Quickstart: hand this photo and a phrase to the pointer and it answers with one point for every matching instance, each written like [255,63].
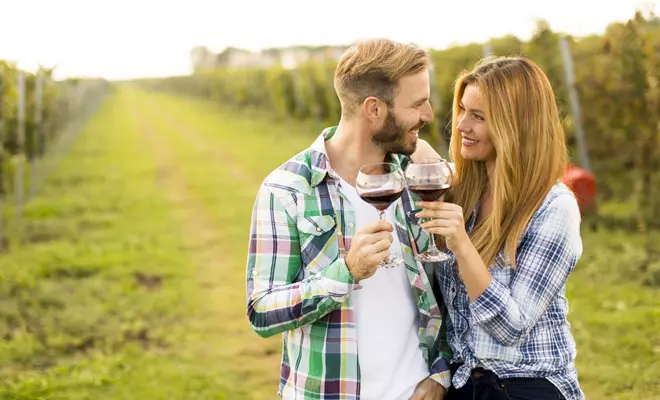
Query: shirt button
[351,225]
[318,229]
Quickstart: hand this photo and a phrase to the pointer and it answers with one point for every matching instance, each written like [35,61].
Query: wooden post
[38,131]
[2,154]
[575,103]
[487,49]
[298,90]
[438,124]
[20,140]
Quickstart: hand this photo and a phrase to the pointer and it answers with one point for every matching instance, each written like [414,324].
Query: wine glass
[381,184]
[429,179]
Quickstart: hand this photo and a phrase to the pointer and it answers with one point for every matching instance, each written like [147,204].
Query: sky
[122,39]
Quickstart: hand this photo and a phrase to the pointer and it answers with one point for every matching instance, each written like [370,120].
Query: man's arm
[274,302]
[425,150]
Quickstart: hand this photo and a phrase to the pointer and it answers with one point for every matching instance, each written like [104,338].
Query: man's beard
[392,136]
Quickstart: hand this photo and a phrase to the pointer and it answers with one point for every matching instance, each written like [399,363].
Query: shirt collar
[320,163]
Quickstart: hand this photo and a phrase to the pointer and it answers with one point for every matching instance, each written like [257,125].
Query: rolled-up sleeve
[547,254]
[275,301]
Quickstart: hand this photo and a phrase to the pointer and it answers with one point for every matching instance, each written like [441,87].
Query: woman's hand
[446,219]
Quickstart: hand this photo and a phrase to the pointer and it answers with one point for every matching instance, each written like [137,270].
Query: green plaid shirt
[298,283]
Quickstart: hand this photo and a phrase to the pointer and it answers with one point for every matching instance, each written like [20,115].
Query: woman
[513,231]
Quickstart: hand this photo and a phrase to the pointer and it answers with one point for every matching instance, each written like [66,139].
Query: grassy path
[132,283]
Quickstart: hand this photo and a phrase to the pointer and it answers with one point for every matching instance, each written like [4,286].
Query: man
[314,243]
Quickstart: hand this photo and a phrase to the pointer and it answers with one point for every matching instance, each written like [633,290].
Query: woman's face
[473,127]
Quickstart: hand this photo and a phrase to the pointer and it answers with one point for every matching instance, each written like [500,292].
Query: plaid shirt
[298,283]
[518,326]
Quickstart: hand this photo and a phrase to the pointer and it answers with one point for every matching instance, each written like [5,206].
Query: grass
[107,307]
[131,282]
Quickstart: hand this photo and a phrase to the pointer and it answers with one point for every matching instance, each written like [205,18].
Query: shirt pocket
[318,242]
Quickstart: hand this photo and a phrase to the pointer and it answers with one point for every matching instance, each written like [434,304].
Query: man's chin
[403,151]
[408,150]
[411,149]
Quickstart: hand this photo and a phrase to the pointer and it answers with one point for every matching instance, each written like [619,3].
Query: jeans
[485,385]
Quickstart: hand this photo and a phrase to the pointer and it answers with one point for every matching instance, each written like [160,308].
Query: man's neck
[350,148]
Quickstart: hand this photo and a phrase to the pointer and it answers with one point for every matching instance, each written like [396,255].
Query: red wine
[429,192]
[382,199]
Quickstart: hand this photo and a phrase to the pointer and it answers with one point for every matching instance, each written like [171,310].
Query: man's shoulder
[292,176]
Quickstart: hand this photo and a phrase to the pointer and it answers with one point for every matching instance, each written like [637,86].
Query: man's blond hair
[373,68]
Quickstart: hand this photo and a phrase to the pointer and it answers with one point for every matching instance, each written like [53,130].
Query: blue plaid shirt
[518,326]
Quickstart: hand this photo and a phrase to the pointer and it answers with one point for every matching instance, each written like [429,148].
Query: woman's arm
[546,255]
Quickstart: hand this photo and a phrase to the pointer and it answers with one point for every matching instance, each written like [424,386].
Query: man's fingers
[418,395]
[376,227]
[383,244]
[428,390]
[378,257]
[383,236]
[372,238]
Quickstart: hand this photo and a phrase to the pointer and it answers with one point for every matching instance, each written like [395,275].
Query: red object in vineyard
[582,183]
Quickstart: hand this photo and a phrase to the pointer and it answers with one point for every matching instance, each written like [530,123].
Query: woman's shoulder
[559,195]
[559,204]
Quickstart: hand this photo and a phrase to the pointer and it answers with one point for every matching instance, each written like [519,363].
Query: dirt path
[204,148]
[228,338]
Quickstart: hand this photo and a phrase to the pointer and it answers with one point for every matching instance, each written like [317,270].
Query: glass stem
[432,246]
[381,215]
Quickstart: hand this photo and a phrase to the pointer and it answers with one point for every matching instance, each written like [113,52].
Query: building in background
[288,57]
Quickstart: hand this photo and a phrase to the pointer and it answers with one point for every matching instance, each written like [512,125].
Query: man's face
[399,131]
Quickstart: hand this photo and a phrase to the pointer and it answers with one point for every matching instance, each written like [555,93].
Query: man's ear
[374,109]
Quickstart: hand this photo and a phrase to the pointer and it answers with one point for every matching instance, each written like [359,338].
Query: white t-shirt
[391,361]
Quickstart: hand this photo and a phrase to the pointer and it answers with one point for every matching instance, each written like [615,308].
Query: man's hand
[423,151]
[369,246]
[428,389]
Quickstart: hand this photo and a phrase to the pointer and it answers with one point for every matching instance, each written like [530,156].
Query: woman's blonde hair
[529,140]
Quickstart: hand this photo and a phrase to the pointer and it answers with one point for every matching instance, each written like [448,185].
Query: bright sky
[120,39]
